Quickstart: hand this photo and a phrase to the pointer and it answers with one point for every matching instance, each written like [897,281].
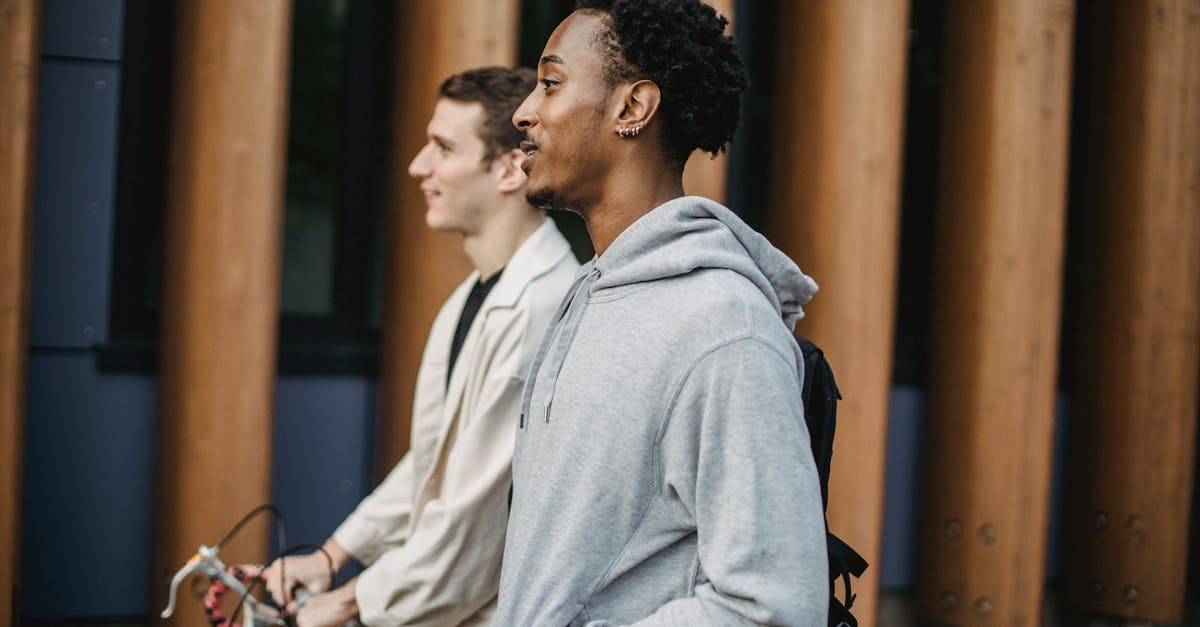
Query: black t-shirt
[470,310]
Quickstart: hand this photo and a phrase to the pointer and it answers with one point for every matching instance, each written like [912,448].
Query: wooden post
[20,49]
[835,210]
[705,175]
[988,439]
[434,40]
[221,288]
[1133,405]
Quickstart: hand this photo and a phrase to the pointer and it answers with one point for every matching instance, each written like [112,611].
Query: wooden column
[434,40]
[835,210]
[20,47]
[704,175]
[988,439]
[1133,405]
[221,287]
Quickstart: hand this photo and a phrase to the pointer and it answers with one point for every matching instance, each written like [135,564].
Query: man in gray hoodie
[662,472]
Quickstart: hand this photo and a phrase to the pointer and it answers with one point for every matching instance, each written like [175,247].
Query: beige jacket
[432,533]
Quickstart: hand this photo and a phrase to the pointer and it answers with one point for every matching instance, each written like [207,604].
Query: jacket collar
[537,255]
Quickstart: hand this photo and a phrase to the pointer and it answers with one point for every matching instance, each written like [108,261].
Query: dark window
[919,198]
[337,170]
[141,180]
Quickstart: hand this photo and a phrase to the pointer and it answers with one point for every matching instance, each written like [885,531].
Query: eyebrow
[441,139]
[551,58]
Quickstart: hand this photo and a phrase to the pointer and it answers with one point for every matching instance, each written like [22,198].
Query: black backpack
[820,394]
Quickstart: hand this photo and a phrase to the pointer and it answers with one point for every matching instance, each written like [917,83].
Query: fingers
[280,591]
[285,579]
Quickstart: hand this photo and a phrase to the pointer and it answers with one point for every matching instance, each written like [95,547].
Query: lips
[530,148]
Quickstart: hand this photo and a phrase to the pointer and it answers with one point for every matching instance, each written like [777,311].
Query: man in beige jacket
[432,534]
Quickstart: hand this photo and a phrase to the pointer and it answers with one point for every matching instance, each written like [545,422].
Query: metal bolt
[1136,526]
[948,602]
[93,205]
[103,41]
[89,334]
[99,85]
[1130,595]
[1096,589]
[983,607]
[953,529]
[987,534]
[1099,521]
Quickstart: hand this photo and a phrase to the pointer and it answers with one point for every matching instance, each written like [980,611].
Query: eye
[442,148]
[549,83]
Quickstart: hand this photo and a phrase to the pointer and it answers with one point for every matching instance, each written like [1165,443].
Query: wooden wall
[221,287]
[835,210]
[1133,397]
[990,419]
[20,54]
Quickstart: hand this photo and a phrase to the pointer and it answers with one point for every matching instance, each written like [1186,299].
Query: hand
[309,571]
[330,609]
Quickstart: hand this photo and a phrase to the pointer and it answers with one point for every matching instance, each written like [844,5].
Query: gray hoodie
[662,472]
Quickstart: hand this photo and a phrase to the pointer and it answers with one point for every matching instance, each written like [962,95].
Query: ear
[512,177]
[639,105]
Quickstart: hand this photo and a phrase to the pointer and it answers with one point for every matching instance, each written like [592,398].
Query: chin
[437,223]
[547,198]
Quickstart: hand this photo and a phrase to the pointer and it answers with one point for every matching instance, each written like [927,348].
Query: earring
[630,131]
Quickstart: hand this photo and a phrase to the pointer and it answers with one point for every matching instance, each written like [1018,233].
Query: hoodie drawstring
[556,343]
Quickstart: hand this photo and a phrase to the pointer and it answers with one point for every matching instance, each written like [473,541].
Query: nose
[419,168]
[525,118]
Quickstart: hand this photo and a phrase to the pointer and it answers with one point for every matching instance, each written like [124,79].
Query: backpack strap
[843,562]
[820,394]
[850,560]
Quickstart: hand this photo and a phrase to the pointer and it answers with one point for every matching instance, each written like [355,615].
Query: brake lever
[191,566]
[207,562]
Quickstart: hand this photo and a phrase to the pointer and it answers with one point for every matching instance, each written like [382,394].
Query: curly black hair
[681,46]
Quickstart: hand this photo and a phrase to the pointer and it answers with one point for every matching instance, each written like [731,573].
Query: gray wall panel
[323,461]
[75,181]
[88,473]
[901,504]
[91,29]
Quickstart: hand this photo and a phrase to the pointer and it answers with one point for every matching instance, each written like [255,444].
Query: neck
[491,248]
[628,196]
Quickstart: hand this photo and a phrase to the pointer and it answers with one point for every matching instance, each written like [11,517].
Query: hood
[690,233]
[675,238]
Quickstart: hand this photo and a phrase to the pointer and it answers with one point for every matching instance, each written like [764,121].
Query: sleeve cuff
[371,604]
[359,539]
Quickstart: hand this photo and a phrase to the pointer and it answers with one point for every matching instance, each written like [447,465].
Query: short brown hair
[500,90]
